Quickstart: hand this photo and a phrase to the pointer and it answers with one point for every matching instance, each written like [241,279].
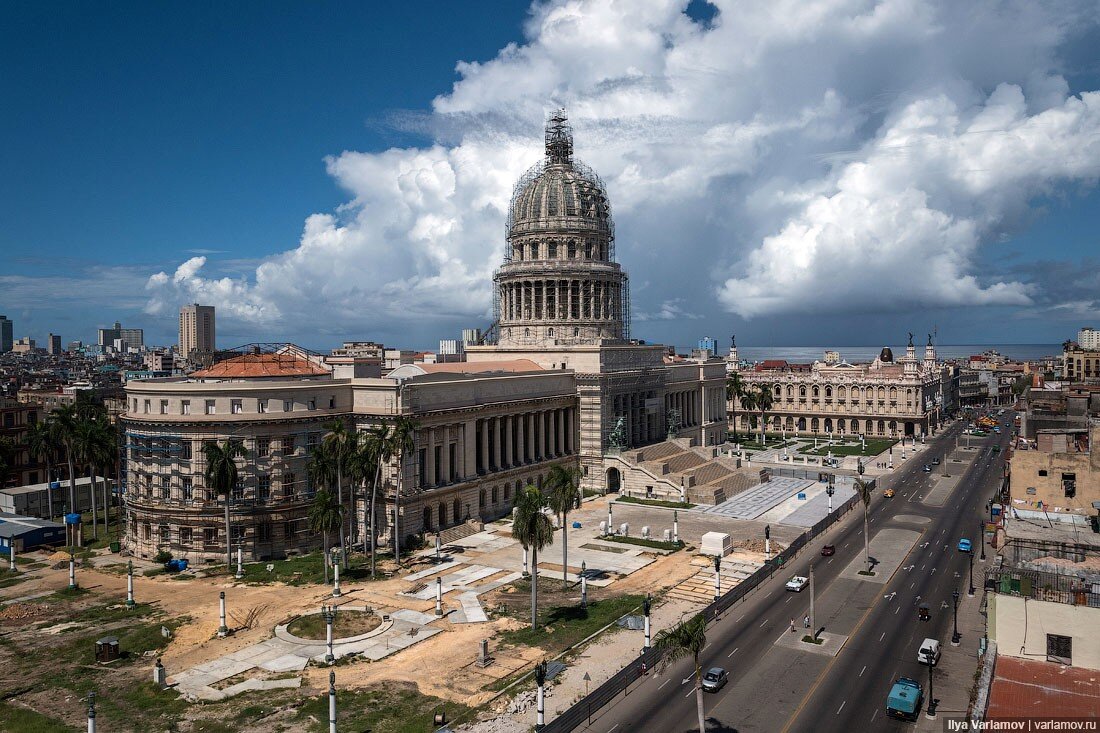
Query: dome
[559,194]
[886,355]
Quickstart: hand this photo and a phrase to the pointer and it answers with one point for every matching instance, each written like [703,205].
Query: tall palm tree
[864,489]
[402,442]
[562,484]
[221,477]
[735,390]
[687,638]
[107,460]
[63,422]
[764,400]
[41,445]
[534,530]
[748,404]
[374,451]
[340,444]
[326,514]
[93,447]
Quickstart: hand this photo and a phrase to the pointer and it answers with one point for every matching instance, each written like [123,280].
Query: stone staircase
[461,531]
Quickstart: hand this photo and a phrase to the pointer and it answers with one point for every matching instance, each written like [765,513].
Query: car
[927,468]
[797,583]
[964,545]
[997,431]
[929,652]
[828,550]
[714,679]
[935,461]
[889,493]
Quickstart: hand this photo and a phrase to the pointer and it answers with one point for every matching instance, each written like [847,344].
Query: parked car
[889,493]
[964,545]
[828,550]
[935,461]
[929,652]
[927,468]
[714,679]
[797,583]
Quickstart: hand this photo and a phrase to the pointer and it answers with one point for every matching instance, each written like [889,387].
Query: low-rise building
[1059,473]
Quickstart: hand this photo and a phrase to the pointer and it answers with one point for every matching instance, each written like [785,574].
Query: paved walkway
[754,502]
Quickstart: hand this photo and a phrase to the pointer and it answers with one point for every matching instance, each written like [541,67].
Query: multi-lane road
[776,684]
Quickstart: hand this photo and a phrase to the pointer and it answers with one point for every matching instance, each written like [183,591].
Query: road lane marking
[841,707]
[666,682]
[896,610]
[883,636]
[740,618]
[612,728]
[763,622]
[860,671]
[788,599]
[732,653]
[689,694]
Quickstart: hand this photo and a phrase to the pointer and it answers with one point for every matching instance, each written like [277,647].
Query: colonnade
[575,299]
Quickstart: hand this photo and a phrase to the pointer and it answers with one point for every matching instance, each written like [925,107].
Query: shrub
[162,556]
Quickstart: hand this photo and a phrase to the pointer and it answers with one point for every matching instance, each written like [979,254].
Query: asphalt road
[773,687]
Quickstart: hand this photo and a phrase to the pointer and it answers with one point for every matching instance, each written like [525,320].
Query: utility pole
[813,618]
[645,610]
[955,638]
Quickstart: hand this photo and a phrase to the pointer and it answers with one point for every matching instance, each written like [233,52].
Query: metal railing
[620,682]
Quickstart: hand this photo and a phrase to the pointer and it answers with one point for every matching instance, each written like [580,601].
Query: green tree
[402,442]
[534,530]
[863,488]
[41,443]
[748,404]
[735,391]
[93,447]
[562,485]
[764,400]
[686,639]
[7,459]
[107,460]
[222,476]
[63,427]
[326,514]
[373,452]
[340,444]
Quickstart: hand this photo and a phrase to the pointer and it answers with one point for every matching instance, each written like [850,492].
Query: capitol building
[557,381]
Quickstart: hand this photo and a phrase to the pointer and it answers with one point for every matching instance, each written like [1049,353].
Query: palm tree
[748,404]
[562,484]
[63,423]
[40,444]
[864,489]
[7,458]
[326,513]
[764,400]
[402,442]
[340,444]
[687,638]
[93,448]
[735,390]
[373,452]
[107,459]
[534,530]
[221,477]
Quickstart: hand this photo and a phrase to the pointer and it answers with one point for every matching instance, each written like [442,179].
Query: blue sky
[342,178]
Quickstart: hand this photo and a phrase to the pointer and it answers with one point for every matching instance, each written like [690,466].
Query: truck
[904,699]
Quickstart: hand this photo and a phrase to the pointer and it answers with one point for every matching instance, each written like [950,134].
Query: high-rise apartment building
[196,329]
[7,338]
[132,337]
[53,344]
[1087,338]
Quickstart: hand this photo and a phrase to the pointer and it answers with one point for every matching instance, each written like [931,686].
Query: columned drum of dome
[559,284]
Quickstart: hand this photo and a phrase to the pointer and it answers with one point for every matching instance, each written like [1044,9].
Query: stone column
[429,457]
[496,443]
[445,455]
[561,431]
[483,430]
[521,444]
[469,468]
[529,444]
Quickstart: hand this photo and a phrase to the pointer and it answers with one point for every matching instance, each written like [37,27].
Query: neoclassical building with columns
[558,381]
[883,398]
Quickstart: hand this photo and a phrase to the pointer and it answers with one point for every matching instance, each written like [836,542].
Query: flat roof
[13,525]
[1034,689]
[32,488]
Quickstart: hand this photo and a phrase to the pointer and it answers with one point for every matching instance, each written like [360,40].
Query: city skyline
[760,193]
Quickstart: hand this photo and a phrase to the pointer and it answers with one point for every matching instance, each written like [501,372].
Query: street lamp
[717,576]
[830,490]
[955,634]
[931,712]
[981,540]
[328,613]
[970,557]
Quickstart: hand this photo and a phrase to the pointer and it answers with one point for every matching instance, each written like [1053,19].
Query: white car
[797,583]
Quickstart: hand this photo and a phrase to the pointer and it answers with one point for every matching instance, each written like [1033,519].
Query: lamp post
[439,596]
[675,525]
[11,556]
[955,634]
[130,584]
[610,521]
[91,712]
[240,566]
[328,613]
[767,542]
[931,712]
[645,610]
[717,576]
[813,618]
[331,702]
[981,538]
[540,706]
[335,577]
[830,491]
[584,585]
[970,558]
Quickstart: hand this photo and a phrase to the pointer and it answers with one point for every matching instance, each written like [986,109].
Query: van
[929,650]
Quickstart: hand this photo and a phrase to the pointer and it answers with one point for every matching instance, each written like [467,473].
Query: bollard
[240,567]
[584,586]
[223,630]
[336,579]
[439,596]
[72,572]
[438,548]
[525,571]
[160,676]
[91,712]
[331,702]
[645,532]
[668,535]
[130,584]
[11,551]
[329,614]
[624,529]
[675,526]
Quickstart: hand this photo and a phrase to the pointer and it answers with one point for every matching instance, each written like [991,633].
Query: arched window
[527,332]
[801,424]
[481,499]
[828,391]
[882,393]
[813,425]
[441,512]
[552,250]
[840,425]
[817,391]
[842,393]
[496,495]
[576,332]
[828,425]
[456,511]
[550,332]
[893,393]
[427,519]
[790,390]
[801,391]
[507,491]
[778,390]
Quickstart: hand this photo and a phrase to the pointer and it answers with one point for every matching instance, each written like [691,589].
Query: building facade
[7,334]
[1089,339]
[1079,363]
[883,398]
[197,329]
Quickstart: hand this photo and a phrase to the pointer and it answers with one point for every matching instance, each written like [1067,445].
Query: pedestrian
[807,621]
[792,624]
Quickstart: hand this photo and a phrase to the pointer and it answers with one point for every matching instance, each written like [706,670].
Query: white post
[525,571]
[91,712]
[541,707]
[438,547]
[72,572]
[11,550]
[813,619]
[675,526]
[330,616]
[717,578]
[584,585]
[610,526]
[336,579]
[130,584]
[240,567]
[439,596]
[223,630]
[767,548]
[648,638]
[331,702]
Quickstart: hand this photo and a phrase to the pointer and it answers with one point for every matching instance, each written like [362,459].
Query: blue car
[964,545]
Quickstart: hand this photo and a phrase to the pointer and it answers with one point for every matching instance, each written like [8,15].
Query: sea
[805,354]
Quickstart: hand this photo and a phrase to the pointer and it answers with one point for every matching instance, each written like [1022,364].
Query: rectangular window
[147,406]
[164,407]
[210,407]
[288,484]
[185,407]
[210,535]
[332,403]
[238,490]
[1059,649]
[165,534]
[185,535]
[263,488]
[187,489]
[288,530]
[185,451]
[165,487]
[263,447]
[1042,472]
[1069,484]
[261,406]
[236,534]
[313,403]
[288,406]
[263,532]
[288,445]
[311,442]
[236,407]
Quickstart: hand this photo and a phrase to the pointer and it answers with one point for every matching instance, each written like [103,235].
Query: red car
[828,550]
